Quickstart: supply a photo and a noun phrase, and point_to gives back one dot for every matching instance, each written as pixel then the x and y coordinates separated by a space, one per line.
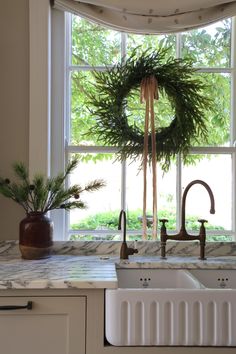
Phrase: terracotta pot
pixel 36 231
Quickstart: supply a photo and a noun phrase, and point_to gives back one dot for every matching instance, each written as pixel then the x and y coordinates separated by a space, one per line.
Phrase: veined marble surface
pixel 57 272
pixel 112 248
pixel 86 272
pixel 173 262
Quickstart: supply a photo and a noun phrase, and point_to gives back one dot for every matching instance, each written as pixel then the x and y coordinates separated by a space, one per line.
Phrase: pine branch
pixel 94 185
pixel 21 171
pixel 73 205
pixel 43 194
pixel 39 192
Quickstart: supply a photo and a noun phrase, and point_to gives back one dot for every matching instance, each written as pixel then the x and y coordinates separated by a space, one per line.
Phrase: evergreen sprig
pixel 175 79
pixel 45 194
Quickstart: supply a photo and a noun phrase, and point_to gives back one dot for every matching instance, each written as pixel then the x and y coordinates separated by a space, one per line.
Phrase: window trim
pixel 42 157
pixel 41 141
pixel 205 150
pixel 233 123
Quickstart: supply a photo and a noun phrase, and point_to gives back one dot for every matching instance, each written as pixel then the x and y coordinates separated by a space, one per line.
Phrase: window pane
pixel 218 118
pixel 103 205
pixel 153 42
pixel 209 46
pixel 93 45
pixel 215 170
pixel 166 196
pixel 81 117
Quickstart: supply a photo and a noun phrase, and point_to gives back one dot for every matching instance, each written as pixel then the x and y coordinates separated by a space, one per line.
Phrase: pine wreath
pixel 184 92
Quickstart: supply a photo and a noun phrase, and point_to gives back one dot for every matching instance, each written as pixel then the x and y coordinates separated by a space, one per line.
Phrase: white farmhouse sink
pixel 216 278
pixel 170 307
pixel 156 279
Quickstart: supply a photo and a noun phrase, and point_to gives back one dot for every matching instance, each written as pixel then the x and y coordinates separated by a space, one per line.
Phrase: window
pixel 89 46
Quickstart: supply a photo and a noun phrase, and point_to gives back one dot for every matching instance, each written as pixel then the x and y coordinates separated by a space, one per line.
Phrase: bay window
pixel 78 48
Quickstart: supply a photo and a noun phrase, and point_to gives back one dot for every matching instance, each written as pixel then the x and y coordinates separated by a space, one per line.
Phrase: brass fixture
pixel 183 234
pixel 125 251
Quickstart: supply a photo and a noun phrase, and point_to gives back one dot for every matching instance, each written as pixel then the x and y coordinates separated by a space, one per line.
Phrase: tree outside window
pixel 96 48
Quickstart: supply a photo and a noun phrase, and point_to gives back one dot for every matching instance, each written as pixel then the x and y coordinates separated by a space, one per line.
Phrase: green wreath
pixel 175 79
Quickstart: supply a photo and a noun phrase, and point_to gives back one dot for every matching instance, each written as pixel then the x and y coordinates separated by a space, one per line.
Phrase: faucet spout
pixel 183 234
pixel 122 217
pixel 125 251
pixel 204 184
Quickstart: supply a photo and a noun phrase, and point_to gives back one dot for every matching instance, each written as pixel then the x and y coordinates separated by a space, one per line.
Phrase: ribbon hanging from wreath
pixel 176 79
pixel 148 93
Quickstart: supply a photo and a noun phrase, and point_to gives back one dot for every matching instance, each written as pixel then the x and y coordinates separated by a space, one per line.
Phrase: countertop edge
pixel 90 272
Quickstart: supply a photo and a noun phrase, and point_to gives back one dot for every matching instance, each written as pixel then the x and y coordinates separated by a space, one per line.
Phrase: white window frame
pixel 46 138
pixel 42 157
pixel 206 150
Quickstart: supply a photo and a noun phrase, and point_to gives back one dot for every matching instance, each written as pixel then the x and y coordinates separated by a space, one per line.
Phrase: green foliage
pixel 142 43
pixel 109 221
pixel 209 46
pixel 94 45
pixel 44 194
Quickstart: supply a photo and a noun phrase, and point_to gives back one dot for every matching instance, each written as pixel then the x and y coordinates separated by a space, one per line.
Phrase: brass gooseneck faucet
pixel 183 234
pixel 125 251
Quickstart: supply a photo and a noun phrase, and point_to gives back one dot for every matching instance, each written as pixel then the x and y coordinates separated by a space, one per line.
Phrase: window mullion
pixel 179 160
pixel 178 190
pixel 67 110
pixel 67 113
pixel 233 121
pixel 123 164
pixel 123 185
pixel 91 149
pixel 178 48
pixel 89 67
pixel 123 45
pixel 233 209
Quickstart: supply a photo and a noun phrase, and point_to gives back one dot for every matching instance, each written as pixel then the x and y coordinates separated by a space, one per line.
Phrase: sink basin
pixel 156 279
pixel 216 278
pixel 172 307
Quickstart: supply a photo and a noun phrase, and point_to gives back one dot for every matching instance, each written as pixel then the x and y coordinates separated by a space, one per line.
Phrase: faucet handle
pixel 202 238
pixel 163 221
pixel 202 221
pixel 132 250
pixel 202 229
pixel 163 237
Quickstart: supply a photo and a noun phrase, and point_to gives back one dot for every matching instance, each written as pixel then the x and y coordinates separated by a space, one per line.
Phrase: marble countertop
pixel 86 272
pixel 58 272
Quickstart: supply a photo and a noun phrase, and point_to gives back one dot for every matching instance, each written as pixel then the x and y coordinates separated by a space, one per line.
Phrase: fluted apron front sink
pixel 169 307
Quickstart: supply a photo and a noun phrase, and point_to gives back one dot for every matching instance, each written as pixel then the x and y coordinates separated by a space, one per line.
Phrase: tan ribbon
pixel 149 92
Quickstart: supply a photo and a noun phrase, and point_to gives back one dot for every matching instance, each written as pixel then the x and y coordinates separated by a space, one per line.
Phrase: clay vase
pixel 36 231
